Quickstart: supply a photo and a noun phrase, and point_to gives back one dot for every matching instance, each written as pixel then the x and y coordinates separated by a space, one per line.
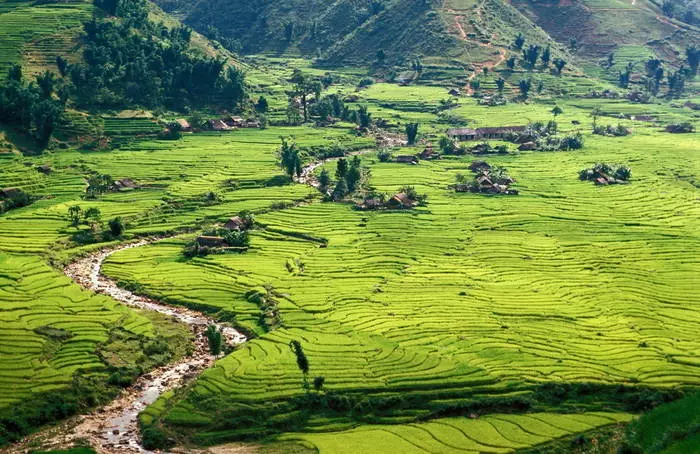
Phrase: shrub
pixel 116 227
pixel 384 155
pixel 680 128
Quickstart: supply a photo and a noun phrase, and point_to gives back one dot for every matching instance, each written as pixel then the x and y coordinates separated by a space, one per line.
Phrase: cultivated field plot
pixel 469 296
pixel 50 328
pixel 490 434
pixel 36 34
pixel 174 177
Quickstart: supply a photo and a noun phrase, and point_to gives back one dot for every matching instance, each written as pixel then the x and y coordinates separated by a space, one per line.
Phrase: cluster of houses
pixel 227 123
pixel 485 182
pixel 499 132
pixel 399 201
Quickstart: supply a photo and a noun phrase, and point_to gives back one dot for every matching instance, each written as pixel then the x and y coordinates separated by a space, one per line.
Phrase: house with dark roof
pixel 407 159
pixel 498 132
pixel 462 134
pixel 211 241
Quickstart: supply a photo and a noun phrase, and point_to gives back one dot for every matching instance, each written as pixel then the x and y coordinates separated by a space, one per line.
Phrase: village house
pixel 234 122
pixel 462 134
pixel 210 241
pixel 407 159
pixel 499 132
pixel 235 223
pixel 124 184
pixel 218 125
pixel 185 125
pixel 9 193
pixel 454 92
pixel 44 168
pixel 401 200
pixel 429 153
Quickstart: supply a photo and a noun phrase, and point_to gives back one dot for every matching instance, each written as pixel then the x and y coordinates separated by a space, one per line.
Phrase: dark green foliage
pixel 362 117
pixel 324 181
pixel 116 227
pixel 290 159
pixel 501 84
pixel 319 382
pixel 603 173
pixel 519 41
pixel 559 64
pixel 16 200
pixel 412 132
pixel 98 185
pixel 30 107
pixel 546 56
pixel 120 68
pixel 154 438
pixel 692 54
pixel 302 361
pixel 262 105
pixel 353 176
pixel 611 131
pixel 532 54
pixel 525 85
pixel 341 168
pixel 384 155
pixel 340 190
pixel 236 239
pixel 215 340
pixel 510 63
pixel 663 427
pixel 680 128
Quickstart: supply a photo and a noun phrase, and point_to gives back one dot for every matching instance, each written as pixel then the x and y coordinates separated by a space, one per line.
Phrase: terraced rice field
pixel 469 297
pixel 489 434
pixel 34 295
pixel 35 34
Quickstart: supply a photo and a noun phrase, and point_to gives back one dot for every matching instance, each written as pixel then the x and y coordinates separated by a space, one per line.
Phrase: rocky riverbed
pixel 114 427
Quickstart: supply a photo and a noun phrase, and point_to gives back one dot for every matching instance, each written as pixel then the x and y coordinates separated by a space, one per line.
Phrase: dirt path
pixel 114 427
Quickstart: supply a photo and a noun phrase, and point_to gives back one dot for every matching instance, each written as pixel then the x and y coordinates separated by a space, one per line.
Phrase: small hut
pixel 9 193
pixel 407 159
pixel 185 125
pixel 401 200
pixel 218 125
pixel 235 223
pixel 210 241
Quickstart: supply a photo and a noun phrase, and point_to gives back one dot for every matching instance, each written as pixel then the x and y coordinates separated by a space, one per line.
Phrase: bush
pixel 154 438
pixel 116 227
pixel 680 128
pixel 384 155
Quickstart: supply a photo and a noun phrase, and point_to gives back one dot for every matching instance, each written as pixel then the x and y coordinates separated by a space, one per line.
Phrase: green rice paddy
pixel 468 299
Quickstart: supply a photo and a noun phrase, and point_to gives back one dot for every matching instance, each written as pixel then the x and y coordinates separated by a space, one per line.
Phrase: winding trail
pixel 113 428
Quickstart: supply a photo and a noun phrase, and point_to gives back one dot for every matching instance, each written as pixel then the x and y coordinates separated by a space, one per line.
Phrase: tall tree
pixel 302 361
pixel 412 132
pixel 290 160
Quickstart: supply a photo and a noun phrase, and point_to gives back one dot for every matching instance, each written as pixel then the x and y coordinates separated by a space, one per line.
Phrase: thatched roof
pixel 454 132
pixel 235 223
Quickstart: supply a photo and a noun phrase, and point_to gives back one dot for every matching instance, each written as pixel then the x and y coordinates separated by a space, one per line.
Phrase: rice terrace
pixel 360 226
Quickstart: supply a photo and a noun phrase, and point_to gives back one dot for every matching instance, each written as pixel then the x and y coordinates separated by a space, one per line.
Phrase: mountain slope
pixel 345 32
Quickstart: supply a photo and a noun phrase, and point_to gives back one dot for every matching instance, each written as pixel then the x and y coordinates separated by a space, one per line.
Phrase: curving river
pixel 114 428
